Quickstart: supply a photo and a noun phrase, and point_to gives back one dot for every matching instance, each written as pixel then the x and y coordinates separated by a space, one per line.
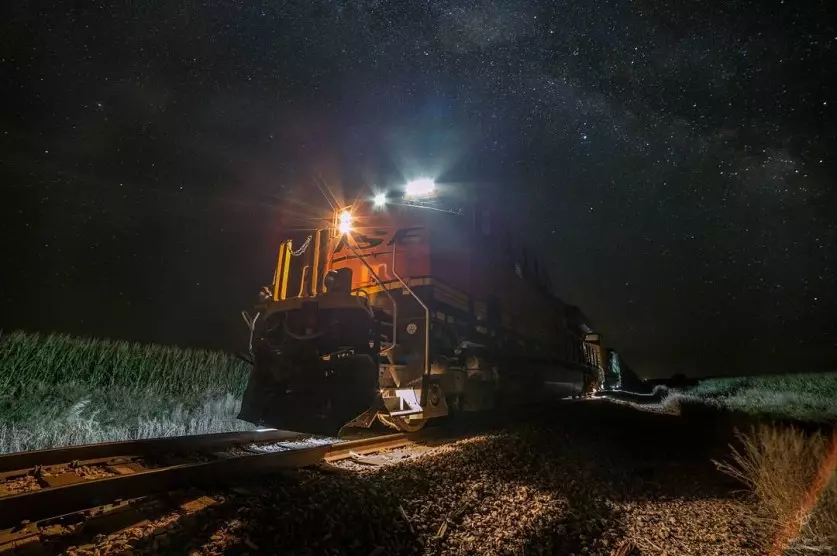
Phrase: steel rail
pixel 47 503
pixel 343 450
pixel 37 505
pixel 57 501
pixel 139 448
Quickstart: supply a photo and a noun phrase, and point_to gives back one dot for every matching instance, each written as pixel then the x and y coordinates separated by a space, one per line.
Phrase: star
pixel 165 151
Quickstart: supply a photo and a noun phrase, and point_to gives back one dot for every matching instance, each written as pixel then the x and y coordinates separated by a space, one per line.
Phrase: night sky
pixel 675 161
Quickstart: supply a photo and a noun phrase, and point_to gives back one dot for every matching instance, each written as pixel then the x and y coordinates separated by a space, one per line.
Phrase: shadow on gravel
pixel 187 532
pixel 626 456
pixel 318 512
pixel 129 528
pixel 548 486
pixel 648 454
pixel 529 490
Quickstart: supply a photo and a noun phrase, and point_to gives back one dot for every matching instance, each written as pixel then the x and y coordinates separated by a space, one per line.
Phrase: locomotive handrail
pixel 302 280
pixel 426 317
pixel 251 325
pixel 385 290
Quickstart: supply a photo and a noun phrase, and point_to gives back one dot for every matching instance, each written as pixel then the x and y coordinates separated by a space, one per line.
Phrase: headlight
pixel 420 188
pixel 344 222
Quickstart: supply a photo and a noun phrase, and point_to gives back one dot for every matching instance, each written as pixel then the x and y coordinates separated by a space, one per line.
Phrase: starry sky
pixel 675 162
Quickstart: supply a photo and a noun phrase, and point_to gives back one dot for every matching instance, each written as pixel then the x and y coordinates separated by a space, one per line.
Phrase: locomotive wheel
pixel 401 423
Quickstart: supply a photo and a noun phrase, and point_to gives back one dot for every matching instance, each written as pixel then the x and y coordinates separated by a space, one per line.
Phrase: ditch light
pixel 423 187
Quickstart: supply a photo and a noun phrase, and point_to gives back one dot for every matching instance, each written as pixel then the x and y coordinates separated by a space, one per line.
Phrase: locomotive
pixel 410 306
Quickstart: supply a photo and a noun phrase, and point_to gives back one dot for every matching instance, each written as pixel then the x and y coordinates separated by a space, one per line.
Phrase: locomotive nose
pixel 316 399
pixel 315 369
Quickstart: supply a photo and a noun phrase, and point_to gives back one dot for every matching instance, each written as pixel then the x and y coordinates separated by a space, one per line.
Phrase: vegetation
pixel 792 474
pixel 59 390
pixel 800 397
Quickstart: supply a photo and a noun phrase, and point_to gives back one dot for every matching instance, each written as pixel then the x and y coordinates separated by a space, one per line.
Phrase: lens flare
pixel 420 188
pixel 344 222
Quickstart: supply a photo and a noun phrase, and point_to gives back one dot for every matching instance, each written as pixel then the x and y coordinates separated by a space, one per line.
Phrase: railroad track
pixel 64 482
pixel 48 488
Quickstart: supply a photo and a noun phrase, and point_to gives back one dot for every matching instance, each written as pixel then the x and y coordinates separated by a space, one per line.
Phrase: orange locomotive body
pixel 409 312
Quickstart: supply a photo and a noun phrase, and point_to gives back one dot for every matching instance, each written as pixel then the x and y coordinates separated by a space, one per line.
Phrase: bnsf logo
pixel 376 238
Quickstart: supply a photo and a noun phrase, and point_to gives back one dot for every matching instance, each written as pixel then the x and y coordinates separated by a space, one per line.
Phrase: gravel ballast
pixel 592 478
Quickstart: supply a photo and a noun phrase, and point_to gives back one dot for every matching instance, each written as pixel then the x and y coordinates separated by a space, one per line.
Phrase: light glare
pixel 380 199
pixel 344 222
pixel 420 187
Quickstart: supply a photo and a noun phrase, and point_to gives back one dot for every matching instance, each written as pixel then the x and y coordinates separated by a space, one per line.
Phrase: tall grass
pixel 793 477
pixel 802 397
pixel 56 358
pixel 57 390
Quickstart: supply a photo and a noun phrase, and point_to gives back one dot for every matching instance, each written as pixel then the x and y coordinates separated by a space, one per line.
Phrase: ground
pixel 589 478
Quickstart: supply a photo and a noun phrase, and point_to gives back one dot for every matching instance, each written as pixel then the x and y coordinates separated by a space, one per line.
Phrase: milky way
pixel 675 166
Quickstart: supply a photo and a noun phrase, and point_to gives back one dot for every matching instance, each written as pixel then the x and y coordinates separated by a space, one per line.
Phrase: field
pixel 58 390
pixel 782 430
pixel 798 397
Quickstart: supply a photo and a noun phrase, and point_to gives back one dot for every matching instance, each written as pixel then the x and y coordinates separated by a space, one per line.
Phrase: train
pixel 412 305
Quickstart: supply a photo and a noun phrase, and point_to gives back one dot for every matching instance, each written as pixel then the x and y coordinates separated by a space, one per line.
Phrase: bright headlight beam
pixel 380 199
pixel 420 187
pixel 344 222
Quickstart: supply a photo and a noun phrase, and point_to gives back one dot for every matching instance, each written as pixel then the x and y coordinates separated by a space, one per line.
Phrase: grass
pixel 792 474
pixel 798 397
pixel 58 390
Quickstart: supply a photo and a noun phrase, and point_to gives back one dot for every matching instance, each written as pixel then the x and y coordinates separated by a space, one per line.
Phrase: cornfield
pixel 57 390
